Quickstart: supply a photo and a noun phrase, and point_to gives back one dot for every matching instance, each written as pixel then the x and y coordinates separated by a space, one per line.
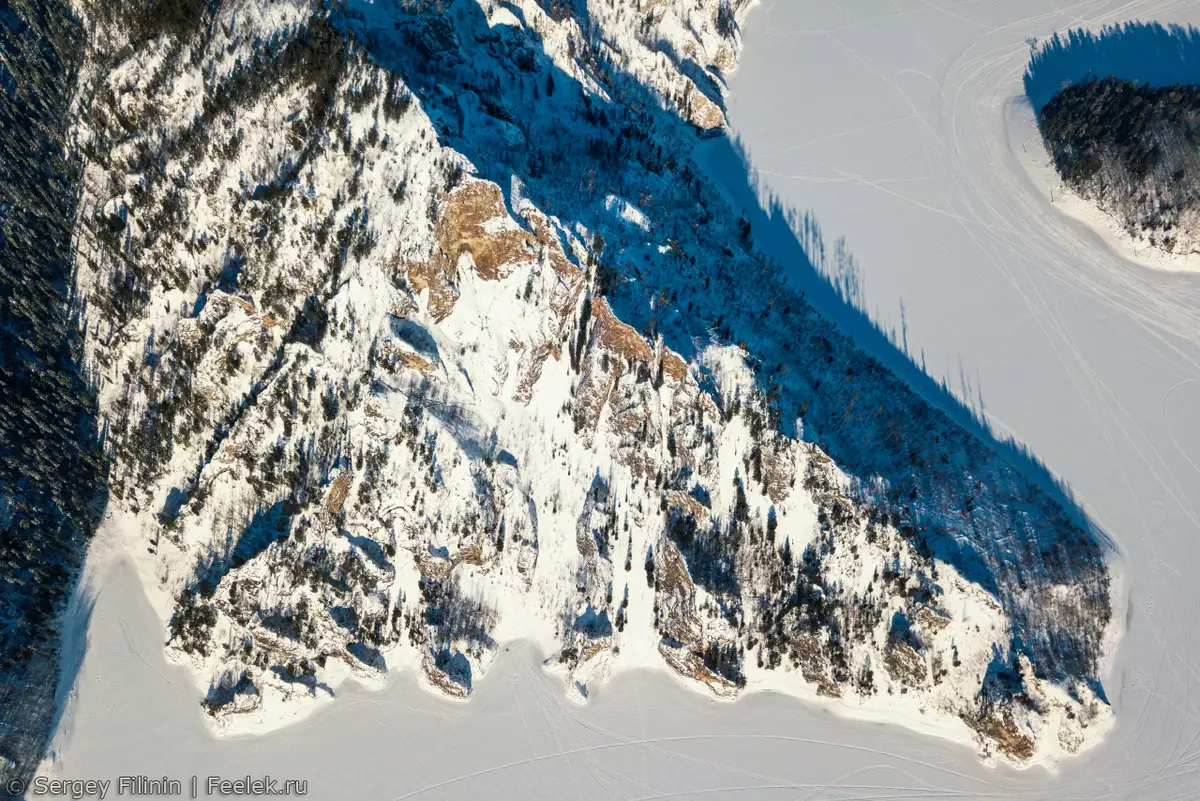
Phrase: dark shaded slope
pixel 51 464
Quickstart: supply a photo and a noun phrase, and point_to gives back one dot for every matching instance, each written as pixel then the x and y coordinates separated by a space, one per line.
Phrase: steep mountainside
pixel 51 465
pixel 1134 152
pixel 417 331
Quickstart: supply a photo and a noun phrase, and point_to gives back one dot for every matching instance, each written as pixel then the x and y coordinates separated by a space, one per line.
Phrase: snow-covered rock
pixel 417 334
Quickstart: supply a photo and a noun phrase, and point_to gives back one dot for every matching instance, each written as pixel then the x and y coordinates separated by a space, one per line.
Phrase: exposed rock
pixel 475 221
pixel 904 664
pixel 336 496
pixel 698 109
pixel 997 727
pixel 814 666
pixel 689 663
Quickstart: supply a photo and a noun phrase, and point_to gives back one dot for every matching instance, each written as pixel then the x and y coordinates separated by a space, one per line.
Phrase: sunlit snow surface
pixel 898 125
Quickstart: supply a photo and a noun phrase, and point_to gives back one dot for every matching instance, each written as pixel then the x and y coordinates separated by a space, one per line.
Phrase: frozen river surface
pixel 901 126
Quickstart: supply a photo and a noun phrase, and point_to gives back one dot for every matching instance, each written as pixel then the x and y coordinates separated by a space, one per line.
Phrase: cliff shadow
pixel 829 279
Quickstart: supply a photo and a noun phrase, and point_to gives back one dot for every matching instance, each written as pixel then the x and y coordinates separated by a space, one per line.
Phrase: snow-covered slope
pixel 417 333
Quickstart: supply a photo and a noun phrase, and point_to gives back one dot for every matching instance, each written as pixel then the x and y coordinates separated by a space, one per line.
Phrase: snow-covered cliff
pixel 417 331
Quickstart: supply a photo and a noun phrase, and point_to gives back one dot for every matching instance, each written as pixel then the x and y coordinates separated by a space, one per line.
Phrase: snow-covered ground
pixel 891 122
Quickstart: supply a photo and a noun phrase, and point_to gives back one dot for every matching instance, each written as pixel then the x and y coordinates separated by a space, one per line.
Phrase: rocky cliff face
pixel 418 331
pixel 1134 152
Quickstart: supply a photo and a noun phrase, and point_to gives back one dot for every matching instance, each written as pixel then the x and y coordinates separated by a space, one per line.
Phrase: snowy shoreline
pixel 115 549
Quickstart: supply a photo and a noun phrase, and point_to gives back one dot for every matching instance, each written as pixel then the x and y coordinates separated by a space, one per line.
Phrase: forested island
pixel 1134 151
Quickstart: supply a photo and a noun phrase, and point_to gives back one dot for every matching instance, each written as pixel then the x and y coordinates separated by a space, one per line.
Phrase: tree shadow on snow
pixel 1144 52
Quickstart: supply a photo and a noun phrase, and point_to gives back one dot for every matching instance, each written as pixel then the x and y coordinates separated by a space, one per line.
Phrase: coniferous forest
pixel 1134 151
pixel 51 464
